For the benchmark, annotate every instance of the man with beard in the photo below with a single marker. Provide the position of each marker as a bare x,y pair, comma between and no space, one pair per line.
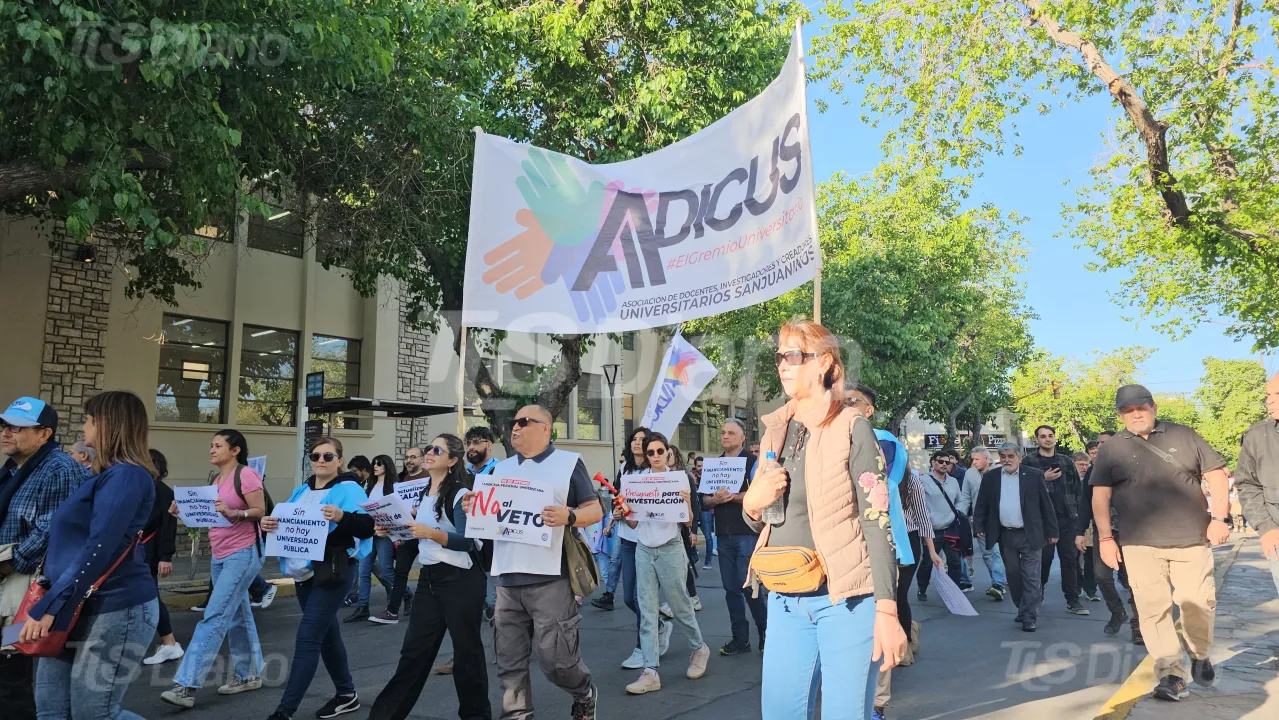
1064,488
479,450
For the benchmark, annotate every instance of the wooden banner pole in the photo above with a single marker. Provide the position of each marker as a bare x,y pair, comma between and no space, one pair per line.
461,383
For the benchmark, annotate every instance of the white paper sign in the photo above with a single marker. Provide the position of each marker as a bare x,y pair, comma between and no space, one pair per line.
258,465
728,473
410,492
954,598
302,533
195,506
510,509
656,496
390,513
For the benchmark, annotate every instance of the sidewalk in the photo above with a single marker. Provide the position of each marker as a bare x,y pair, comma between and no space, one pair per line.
1245,650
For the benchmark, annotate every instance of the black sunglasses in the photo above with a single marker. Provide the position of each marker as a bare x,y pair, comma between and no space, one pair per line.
328,457
793,357
524,421
656,452
435,450
377,463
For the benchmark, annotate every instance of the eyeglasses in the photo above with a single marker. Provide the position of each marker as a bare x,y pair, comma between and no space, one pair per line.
656,452
1007,456
435,450
793,357
327,457
15,429
524,421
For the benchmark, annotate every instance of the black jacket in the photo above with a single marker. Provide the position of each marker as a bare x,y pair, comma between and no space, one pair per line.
161,528
1036,507
1066,490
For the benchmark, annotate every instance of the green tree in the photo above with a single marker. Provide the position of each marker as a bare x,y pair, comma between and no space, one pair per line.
1183,202
1233,396
1076,397
1179,409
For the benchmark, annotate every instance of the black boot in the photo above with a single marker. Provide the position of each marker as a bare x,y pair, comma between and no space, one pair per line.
604,602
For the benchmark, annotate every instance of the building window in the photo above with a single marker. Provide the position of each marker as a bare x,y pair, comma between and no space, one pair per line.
561,427
590,407
628,415
715,416
268,377
339,360
741,414
690,430
192,370
628,341
280,232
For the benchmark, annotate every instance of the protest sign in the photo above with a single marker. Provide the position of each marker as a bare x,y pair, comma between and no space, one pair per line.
728,473
510,509
258,465
410,492
686,373
302,532
390,513
656,496
195,506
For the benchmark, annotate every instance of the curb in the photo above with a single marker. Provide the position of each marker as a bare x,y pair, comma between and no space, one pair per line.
285,587
1142,679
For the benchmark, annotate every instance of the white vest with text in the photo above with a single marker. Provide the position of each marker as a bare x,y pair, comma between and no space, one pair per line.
512,557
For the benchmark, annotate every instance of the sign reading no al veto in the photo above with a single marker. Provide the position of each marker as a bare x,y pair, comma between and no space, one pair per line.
510,509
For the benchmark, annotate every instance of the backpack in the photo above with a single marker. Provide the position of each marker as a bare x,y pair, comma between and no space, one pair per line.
266,495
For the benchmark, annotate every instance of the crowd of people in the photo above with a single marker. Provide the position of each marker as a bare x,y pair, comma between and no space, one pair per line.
820,545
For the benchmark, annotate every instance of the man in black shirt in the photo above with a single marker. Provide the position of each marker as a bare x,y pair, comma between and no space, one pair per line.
736,542
1064,486
1101,571
1153,470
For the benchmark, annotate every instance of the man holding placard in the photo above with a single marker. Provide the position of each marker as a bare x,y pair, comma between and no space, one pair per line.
536,607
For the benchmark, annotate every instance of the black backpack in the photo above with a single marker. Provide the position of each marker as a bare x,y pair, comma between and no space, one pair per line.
266,495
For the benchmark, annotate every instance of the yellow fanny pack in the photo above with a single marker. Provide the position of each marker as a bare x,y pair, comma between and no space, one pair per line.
791,570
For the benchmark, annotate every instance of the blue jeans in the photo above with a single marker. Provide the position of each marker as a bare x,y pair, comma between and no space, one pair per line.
379,563
661,571
614,564
814,641
319,636
993,559
734,560
708,530
630,593
227,615
90,680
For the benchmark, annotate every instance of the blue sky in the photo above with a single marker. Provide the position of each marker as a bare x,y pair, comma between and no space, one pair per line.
1076,314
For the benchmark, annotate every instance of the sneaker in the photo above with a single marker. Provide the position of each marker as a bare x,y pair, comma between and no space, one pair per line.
239,685
697,604
647,682
735,648
715,552
761,643
386,618
1092,597
966,587
183,697
697,662
351,600
444,668
996,592
922,595
280,715
635,661
361,613
408,605
707,565
664,633
1116,623
584,708
164,654
490,612
1202,672
1171,688
1076,609
268,597
339,705
666,611
197,608
604,602
1028,626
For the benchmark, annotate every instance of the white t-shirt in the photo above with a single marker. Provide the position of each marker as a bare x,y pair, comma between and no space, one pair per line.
430,552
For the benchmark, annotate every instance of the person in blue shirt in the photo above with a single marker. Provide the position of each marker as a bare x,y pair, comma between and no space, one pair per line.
96,527
479,450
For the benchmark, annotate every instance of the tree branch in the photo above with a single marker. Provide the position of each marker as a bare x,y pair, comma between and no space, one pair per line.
24,177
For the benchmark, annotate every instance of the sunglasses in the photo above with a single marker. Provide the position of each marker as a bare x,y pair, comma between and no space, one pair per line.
793,357
944,461
656,452
524,421
326,457
377,463
435,450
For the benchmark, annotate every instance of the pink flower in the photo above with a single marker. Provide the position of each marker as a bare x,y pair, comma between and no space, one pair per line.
879,497
867,480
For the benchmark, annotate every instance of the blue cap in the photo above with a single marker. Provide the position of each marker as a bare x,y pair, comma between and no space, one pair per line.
30,412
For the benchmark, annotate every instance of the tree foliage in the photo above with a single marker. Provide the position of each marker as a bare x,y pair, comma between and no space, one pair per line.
1076,397
1184,200
1233,396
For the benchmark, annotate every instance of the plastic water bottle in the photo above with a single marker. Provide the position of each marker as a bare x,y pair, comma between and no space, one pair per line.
774,514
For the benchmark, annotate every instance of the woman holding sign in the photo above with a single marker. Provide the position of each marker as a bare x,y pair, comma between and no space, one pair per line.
323,585
237,560
825,553
450,592
660,566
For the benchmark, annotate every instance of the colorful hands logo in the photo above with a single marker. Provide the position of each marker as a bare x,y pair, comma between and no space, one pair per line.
677,368
560,224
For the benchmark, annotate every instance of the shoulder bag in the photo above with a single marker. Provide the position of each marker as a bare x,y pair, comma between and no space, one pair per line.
789,569
960,533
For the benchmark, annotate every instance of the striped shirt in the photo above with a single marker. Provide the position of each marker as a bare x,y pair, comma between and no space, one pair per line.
912,494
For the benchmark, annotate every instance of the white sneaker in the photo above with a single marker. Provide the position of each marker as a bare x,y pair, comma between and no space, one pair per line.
269,597
164,654
697,662
666,611
664,632
197,608
697,604
239,685
648,682
635,661
715,552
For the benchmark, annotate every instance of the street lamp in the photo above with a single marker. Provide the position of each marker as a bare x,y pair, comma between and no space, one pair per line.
610,375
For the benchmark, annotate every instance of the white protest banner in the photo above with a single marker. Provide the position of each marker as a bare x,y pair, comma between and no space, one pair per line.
302,533
720,220
258,465
686,373
195,506
656,496
728,473
410,493
389,512
509,509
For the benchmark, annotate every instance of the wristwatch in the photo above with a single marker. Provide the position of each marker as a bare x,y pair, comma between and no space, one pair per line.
572,517
1225,519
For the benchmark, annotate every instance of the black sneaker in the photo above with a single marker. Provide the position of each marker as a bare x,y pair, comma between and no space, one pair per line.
604,602
996,591
1075,608
584,708
1028,626
489,613
1202,672
1092,597
922,595
735,648
1171,688
1116,624
761,643
339,705
408,604
361,613
279,715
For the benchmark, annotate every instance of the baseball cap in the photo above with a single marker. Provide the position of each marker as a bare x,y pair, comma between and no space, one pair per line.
1133,395
29,412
